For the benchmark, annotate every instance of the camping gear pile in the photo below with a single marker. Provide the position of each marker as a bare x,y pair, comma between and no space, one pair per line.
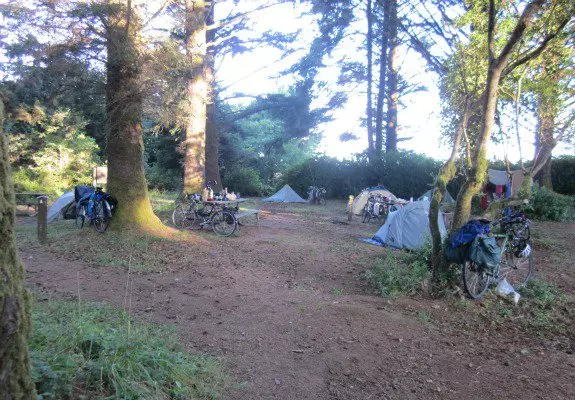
65,207
472,242
362,198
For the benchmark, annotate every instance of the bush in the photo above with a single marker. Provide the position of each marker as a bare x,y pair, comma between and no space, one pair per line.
545,204
400,273
94,351
164,179
562,173
404,173
244,180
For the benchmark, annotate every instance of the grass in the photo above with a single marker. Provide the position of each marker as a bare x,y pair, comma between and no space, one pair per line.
398,272
112,249
89,350
337,292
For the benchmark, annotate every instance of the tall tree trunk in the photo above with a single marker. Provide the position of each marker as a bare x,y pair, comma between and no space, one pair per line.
381,93
126,179
392,80
212,133
369,110
15,381
544,141
197,96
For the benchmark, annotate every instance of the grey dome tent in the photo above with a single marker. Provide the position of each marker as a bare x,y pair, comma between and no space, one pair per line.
447,198
408,227
285,195
58,209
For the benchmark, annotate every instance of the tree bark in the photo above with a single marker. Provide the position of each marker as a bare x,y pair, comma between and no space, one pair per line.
392,80
369,110
381,93
197,96
544,140
212,133
15,381
126,179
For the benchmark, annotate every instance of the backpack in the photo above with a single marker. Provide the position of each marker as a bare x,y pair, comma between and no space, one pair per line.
485,252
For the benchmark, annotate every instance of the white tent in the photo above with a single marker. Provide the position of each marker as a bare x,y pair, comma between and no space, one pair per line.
285,195
361,199
408,228
57,209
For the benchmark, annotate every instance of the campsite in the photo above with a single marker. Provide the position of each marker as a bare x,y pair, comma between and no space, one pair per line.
287,199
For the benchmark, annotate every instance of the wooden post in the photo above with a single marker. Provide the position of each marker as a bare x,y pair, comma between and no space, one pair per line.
350,208
42,218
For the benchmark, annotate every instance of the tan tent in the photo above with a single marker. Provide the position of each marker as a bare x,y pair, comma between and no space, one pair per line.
361,199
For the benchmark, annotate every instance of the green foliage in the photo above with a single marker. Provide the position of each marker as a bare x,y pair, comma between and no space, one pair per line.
545,204
405,173
50,150
244,180
562,173
399,272
94,351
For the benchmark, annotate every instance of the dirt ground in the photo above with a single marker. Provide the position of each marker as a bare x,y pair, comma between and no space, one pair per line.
284,305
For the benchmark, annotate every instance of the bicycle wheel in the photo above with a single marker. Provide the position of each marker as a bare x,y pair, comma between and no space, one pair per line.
179,216
224,223
475,280
100,223
516,267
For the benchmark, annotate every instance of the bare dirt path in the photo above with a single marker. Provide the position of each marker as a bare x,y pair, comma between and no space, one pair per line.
284,305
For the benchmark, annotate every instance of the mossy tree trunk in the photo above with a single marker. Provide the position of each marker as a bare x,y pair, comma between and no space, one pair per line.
197,95
446,174
381,88
126,179
15,381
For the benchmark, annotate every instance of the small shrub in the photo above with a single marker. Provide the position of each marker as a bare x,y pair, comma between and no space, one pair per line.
399,273
94,351
545,204
244,180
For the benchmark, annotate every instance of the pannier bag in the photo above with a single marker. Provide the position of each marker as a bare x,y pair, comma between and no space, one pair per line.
485,252
458,246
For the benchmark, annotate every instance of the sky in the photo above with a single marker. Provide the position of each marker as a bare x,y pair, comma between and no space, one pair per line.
419,119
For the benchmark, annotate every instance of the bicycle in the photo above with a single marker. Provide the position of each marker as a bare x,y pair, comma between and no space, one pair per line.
316,195
96,208
377,207
186,207
223,221
515,263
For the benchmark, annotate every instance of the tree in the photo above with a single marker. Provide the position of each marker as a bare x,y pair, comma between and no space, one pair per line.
511,55
15,381
126,178
392,77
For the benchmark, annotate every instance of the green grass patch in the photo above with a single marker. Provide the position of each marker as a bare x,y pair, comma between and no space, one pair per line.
94,351
397,272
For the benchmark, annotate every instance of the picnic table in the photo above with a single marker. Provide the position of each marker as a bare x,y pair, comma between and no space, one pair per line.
29,200
235,205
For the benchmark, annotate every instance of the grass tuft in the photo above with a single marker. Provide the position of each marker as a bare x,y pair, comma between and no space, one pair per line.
398,272
91,350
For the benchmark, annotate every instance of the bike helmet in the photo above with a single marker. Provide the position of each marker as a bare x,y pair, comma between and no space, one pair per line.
523,251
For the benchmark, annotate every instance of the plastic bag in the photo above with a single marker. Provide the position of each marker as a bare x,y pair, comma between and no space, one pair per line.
505,288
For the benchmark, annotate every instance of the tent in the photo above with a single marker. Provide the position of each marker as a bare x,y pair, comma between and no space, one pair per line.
65,206
361,199
285,195
447,198
58,209
408,227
